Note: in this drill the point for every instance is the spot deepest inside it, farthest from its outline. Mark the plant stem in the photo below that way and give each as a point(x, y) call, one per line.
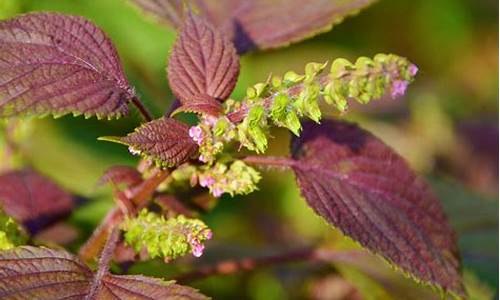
point(142, 109)
point(240, 114)
point(140, 196)
point(228, 267)
point(104, 261)
point(270, 161)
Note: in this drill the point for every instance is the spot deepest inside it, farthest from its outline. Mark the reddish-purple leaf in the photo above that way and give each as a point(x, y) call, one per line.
point(164, 140)
point(170, 11)
point(262, 24)
point(144, 288)
point(58, 64)
point(33, 200)
point(358, 184)
point(41, 273)
point(45, 274)
point(206, 105)
point(203, 63)
point(121, 175)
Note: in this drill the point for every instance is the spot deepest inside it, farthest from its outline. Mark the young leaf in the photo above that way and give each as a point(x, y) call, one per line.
point(33, 200)
point(164, 140)
point(170, 11)
point(203, 64)
point(206, 105)
point(57, 64)
point(358, 184)
point(121, 175)
point(41, 273)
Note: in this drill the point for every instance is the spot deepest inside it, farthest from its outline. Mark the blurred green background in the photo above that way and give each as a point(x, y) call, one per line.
point(446, 127)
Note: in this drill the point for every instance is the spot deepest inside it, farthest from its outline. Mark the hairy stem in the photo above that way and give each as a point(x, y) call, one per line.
point(91, 248)
point(142, 109)
point(228, 267)
point(270, 161)
point(140, 196)
point(239, 115)
point(104, 261)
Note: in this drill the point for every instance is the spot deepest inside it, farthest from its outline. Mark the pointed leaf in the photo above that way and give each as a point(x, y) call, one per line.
point(164, 140)
point(33, 200)
point(358, 184)
point(45, 274)
point(57, 64)
point(203, 63)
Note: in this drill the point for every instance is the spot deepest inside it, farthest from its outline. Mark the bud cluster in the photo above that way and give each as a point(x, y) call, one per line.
point(238, 178)
point(282, 101)
point(167, 238)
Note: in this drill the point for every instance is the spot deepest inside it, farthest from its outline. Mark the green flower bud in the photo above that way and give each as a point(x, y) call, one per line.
point(279, 106)
point(307, 102)
point(292, 122)
point(221, 127)
point(340, 67)
point(313, 69)
point(292, 78)
point(276, 82)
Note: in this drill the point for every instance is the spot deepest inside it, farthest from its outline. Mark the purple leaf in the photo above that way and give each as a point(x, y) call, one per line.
point(203, 64)
point(58, 64)
point(360, 185)
point(264, 24)
point(261, 24)
point(171, 12)
point(164, 140)
point(33, 200)
point(121, 175)
point(144, 288)
point(41, 273)
point(207, 106)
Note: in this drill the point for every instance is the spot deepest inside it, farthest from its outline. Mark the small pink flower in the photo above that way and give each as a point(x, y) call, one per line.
point(207, 181)
point(202, 158)
point(208, 234)
point(398, 88)
point(217, 192)
point(196, 134)
point(413, 69)
point(197, 249)
point(209, 120)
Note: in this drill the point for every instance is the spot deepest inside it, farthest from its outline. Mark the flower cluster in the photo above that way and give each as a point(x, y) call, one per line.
point(282, 101)
point(368, 79)
point(167, 238)
point(238, 178)
point(211, 134)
